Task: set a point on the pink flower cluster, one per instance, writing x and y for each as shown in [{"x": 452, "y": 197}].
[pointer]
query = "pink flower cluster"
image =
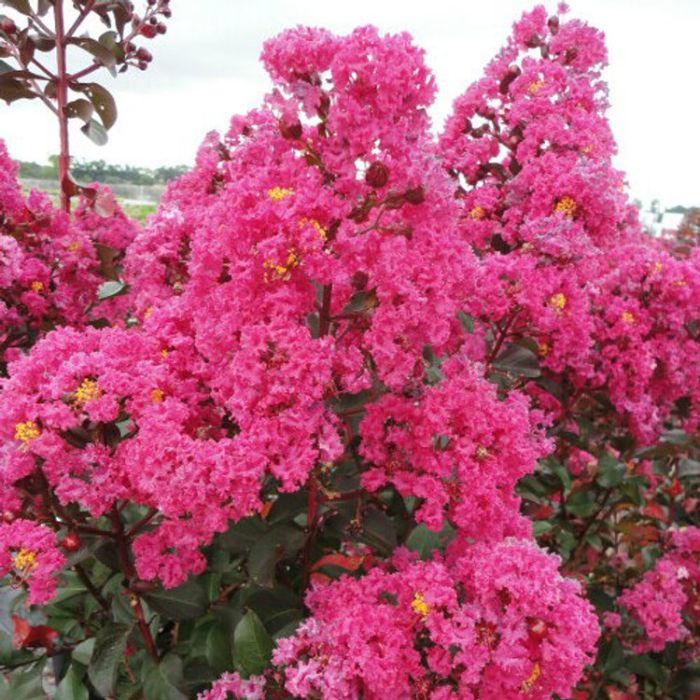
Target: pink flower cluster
[
  {"x": 51, "y": 265},
  {"x": 28, "y": 553},
  {"x": 458, "y": 449},
  {"x": 665, "y": 593},
  {"x": 494, "y": 622},
  {"x": 564, "y": 264},
  {"x": 318, "y": 258}
]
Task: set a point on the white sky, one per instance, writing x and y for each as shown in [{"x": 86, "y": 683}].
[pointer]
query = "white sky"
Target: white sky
[{"x": 206, "y": 69}]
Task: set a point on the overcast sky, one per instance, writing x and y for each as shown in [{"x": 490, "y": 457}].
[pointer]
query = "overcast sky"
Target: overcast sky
[{"x": 206, "y": 68}]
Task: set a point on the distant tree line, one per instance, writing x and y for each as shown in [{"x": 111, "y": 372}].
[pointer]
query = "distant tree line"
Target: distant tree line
[{"x": 100, "y": 171}]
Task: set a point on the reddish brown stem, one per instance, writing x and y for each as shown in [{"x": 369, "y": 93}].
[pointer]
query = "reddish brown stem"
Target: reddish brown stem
[
  {"x": 312, "y": 525},
  {"x": 85, "y": 71},
  {"x": 61, "y": 101},
  {"x": 130, "y": 573},
  {"x": 79, "y": 19},
  {"x": 324, "y": 326},
  {"x": 137, "y": 527},
  {"x": 503, "y": 334},
  {"x": 94, "y": 590}
]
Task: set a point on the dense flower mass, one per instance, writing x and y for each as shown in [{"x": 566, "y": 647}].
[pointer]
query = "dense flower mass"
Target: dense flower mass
[
  {"x": 497, "y": 622},
  {"x": 28, "y": 553},
  {"x": 438, "y": 444},
  {"x": 658, "y": 602},
  {"x": 346, "y": 349},
  {"x": 51, "y": 266}
]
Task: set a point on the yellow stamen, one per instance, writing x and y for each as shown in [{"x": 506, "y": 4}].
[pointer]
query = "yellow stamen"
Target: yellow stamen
[
  {"x": 543, "y": 348},
  {"x": 74, "y": 246},
  {"x": 419, "y": 605},
  {"x": 164, "y": 353},
  {"x": 534, "y": 675},
  {"x": 481, "y": 453},
  {"x": 477, "y": 213},
  {"x": 24, "y": 561},
  {"x": 312, "y": 222},
  {"x": 87, "y": 391},
  {"x": 658, "y": 266},
  {"x": 26, "y": 432},
  {"x": 566, "y": 206},
  {"x": 588, "y": 149},
  {"x": 557, "y": 301},
  {"x": 37, "y": 286},
  {"x": 157, "y": 395},
  {"x": 628, "y": 317},
  {"x": 148, "y": 312},
  {"x": 279, "y": 193},
  {"x": 535, "y": 86},
  {"x": 283, "y": 272}
]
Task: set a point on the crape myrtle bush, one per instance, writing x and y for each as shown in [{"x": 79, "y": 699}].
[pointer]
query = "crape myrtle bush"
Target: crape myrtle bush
[{"x": 363, "y": 412}]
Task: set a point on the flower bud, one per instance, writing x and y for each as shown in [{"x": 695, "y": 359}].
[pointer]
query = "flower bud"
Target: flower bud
[
  {"x": 377, "y": 175},
  {"x": 71, "y": 542},
  {"x": 415, "y": 195}
]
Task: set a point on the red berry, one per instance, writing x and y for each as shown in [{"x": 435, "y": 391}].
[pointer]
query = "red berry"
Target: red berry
[
  {"x": 71, "y": 542},
  {"x": 377, "y": 175},
  {"x": 8, "y": 26},
  {"x": 148, "y": 30}
]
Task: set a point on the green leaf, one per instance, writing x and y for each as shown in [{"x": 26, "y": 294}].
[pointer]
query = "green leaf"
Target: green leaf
[
  {"x": 95, "y": 132},
  {"x": 539, "y": 527},
  {"x": 22, "y": 684},
  {"x": 108, "y": 653},
  {"x": 22, "y": 6},
  {"x": 183, "y": 603},
  {"x": 561, "y": 472},
  {"x": 518, "y": 360},
  {"x": 164, "y": 680},
  {"x": 287, "y": 507},
  {"x": 611, "y": 656},
  {"x": 611, "y": 472},
  {"x": 252, "y": 645},
  {"x": 83, "y": 651},
  {"x": 379, "y": 531},
  {"x": 647, "y": 667},
  {"x": 361, "y": 302},
  {"x": 280, "y": 543},
  {"x": 71, "y": 686},
  {"x": 12, "y": 90},
  {"x": 241, "y": 536},
  {"x": 531, "y": 485},
  {"x": 96, "y": 49},
  {"x": 425, "y": 541},
  {"x": 79, "y": 109},
  {"x": 103, "y": 102},
  {"x": 688, "y": 467},
  {"x": 109, "y": 290},
  {"x": 276, "y": 608},
  {"x": 198, "y": 674},
  {"x": 581, "y": 503},
  {"x": 218, "y": 648},
  {"x": 466, "y": 320}
]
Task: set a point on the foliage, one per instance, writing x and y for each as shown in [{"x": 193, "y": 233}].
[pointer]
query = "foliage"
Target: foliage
[
  {"x": 360, "y": 412},
  {"x": 105, "y": 173}
]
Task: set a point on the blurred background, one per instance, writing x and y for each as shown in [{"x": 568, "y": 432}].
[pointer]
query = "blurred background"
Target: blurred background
[{"x": 206, "y": 68}]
